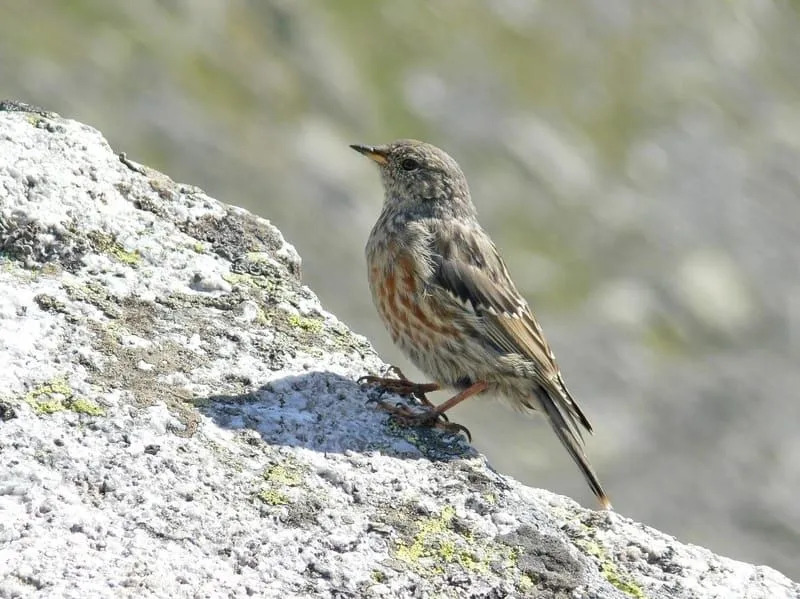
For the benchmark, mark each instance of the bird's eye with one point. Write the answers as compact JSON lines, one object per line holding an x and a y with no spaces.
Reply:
{"x":409,"y":164}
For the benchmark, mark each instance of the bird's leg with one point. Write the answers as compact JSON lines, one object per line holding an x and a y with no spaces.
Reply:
{"x":473,"y":389}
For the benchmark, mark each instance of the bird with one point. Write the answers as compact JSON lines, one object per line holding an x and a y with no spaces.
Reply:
{"x":447,"y":299}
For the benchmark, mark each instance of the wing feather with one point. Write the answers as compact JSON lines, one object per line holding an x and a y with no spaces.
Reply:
{"x":468,"y":266}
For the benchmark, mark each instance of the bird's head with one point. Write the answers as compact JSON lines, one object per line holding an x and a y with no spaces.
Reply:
{"x":419,"y":173}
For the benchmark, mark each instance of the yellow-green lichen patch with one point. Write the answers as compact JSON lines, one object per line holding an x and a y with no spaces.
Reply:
{"x":279,"y":480}
{"x":249,"y":280}
{"x":34,"y":119}
{"x":273,"y":497}
{"x":288,"y":474}
{"x":50,"y":397}
{"x":309,"y":325}
{"x":57,"y":396}
{"x":125,"y":256}
{"x":436,"y":542}
{"x":81,"y":405}
{"x":102,"y":242}
{"x":258,"y":258}
{"x":525,"y":584}
{"x":610,"y":570}
{"x":47,"y":406}
{"x":622,"y":582}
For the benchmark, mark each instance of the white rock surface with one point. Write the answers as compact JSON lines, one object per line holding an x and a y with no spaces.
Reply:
{"x":179,"y":418}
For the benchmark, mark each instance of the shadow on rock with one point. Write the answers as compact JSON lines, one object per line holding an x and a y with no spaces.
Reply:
{"x":326,"y":412}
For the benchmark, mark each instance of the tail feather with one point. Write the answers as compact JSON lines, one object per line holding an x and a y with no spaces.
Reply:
{"x":564,"y":416}
{"x":573,"y":409}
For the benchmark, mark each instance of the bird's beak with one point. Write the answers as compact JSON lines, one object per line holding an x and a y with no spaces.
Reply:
{"x":372,"y":152}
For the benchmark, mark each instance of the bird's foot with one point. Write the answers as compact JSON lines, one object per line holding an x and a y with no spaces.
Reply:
{"x":429,"y":417}
{"x":401,"y":385}
{"x":404,"y":415}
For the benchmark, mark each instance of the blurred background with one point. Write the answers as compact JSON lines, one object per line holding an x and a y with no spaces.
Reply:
{"x":637,"y":163}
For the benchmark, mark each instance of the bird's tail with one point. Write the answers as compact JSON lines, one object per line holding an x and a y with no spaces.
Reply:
{"x":564,"y":415}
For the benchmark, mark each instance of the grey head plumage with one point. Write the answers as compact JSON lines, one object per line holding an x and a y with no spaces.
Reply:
{"x":415,"y":172}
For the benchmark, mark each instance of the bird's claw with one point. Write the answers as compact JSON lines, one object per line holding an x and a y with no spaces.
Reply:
{"x":430,"y":418}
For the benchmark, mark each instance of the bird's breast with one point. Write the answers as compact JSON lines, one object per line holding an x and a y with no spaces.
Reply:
{"x":416,"y":321}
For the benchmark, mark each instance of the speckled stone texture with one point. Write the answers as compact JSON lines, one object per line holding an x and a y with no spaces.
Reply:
{"x":179,"y":417}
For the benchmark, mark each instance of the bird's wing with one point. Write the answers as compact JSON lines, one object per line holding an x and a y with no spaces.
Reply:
{"x":469,"y":268}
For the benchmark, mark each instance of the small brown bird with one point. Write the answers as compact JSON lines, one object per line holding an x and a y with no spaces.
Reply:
{"x":445,"y":295}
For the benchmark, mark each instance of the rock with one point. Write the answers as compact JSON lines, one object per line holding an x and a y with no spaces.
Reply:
{"x":182,"y":419}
